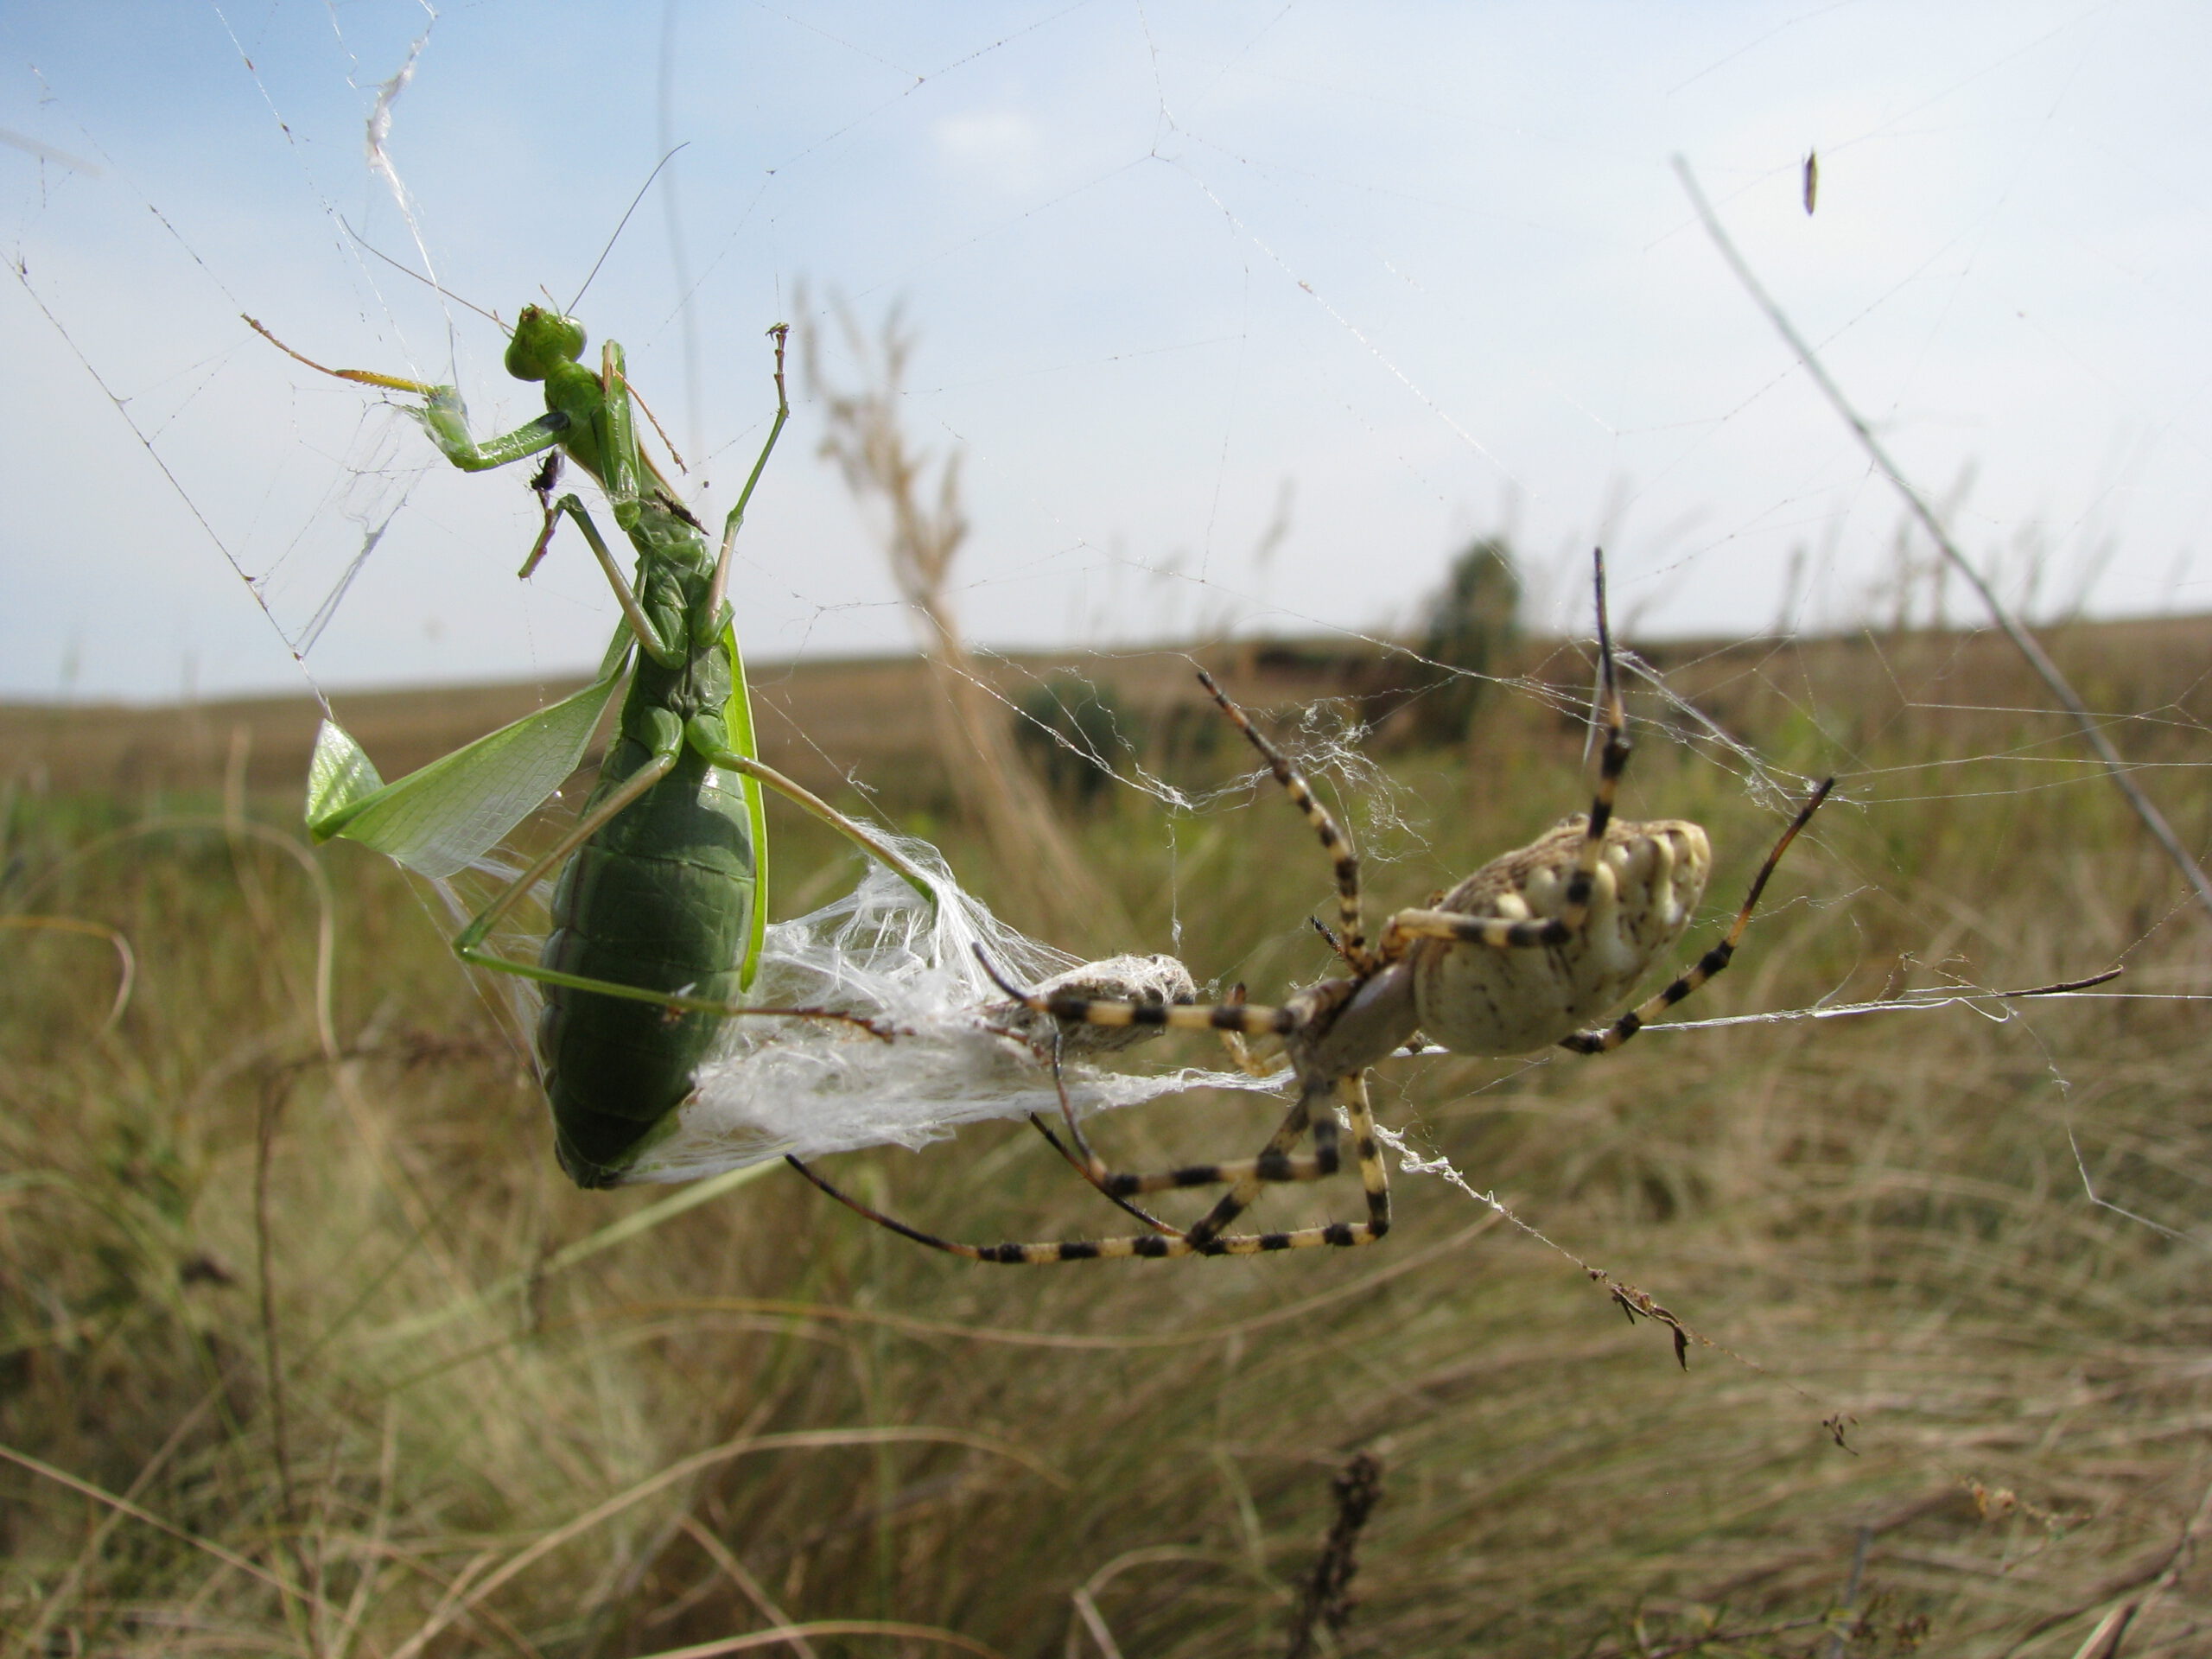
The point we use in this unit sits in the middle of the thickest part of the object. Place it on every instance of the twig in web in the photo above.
(1327, 1600)
(2116, 768)
(1841, 1633)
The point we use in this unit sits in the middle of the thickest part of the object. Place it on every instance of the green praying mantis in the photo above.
(657, 917)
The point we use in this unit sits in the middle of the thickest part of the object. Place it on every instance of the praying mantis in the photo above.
(657, 916)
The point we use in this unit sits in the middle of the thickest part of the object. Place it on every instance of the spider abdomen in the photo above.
(1481, 999)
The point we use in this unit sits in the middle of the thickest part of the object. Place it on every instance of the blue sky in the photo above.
(1397, 274)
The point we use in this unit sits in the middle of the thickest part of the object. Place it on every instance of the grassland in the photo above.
(308, 1348)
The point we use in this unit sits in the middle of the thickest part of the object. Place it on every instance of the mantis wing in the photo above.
(442, 819)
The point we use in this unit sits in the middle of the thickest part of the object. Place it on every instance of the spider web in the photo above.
(1241, 324)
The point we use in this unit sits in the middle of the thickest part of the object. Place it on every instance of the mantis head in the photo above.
(543, 341)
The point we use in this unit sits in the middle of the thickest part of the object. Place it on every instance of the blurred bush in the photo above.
(1469, 632)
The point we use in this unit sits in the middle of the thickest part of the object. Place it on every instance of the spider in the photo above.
(1519, 956)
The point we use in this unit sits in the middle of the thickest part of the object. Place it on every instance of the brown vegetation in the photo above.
(308, 1348)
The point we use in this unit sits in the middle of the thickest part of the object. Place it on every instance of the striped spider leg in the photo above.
(1522, 955)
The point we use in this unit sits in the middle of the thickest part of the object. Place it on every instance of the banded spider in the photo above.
(1519, 956)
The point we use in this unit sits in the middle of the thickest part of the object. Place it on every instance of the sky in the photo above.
(1242, 318)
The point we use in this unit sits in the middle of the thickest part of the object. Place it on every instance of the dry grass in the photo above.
(301, 1354)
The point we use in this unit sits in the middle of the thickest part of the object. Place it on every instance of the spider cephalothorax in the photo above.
(1522, 955)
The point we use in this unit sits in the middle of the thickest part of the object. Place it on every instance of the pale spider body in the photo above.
(1473, 997)
(1479, 1000)
(1523, 955)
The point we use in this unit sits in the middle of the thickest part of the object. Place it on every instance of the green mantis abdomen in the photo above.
(661, 898)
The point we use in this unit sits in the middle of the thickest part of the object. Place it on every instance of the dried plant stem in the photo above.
(2039, 659)
(1034, 853)
(741, 1576)
(275, 1091)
